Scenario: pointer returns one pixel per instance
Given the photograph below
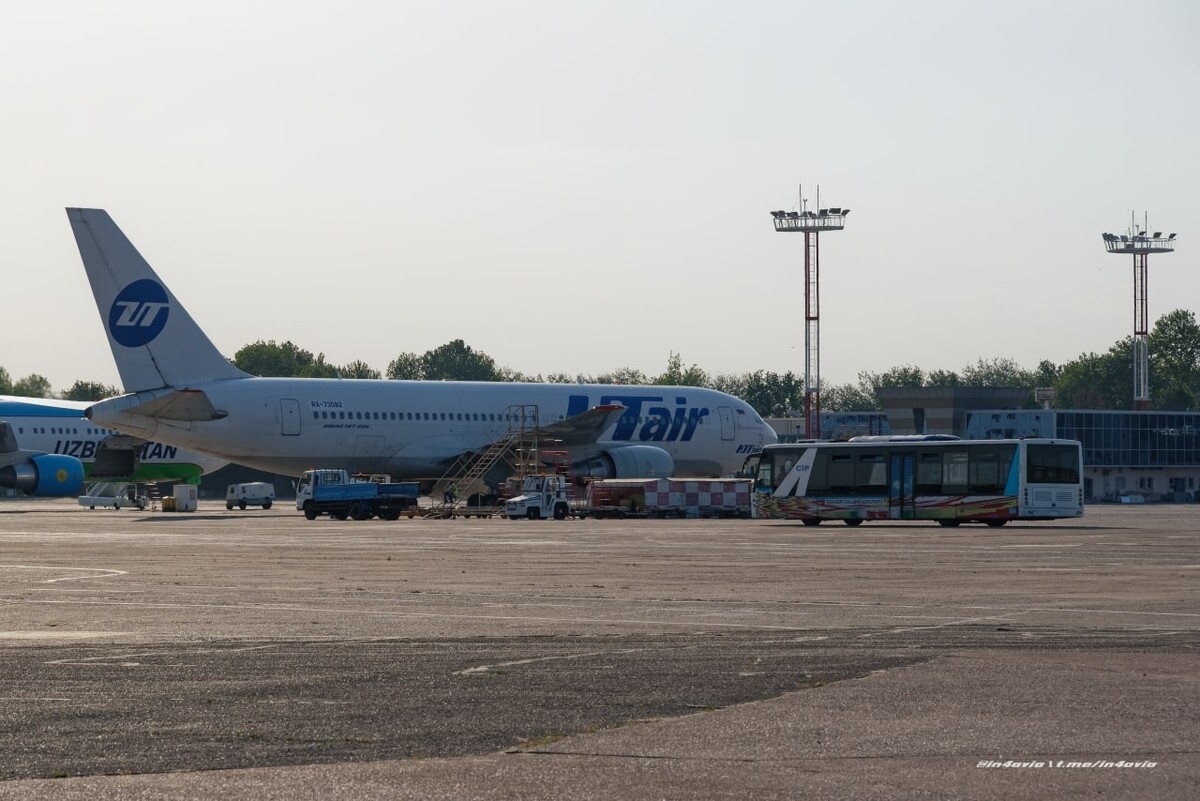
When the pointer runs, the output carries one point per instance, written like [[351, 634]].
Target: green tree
[[32, 386], [1097, 381], [1175, 361], [359, 369], [406, 367], [677, 376], [509, 374], [999, 372], [286, 360], [5, 382], [772, 394], [90, 391], [847, 398], [456, 361], [1046, 373], [943, 378], [623, 375]]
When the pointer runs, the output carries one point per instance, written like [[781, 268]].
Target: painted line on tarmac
[[100, 572], [532, 660]]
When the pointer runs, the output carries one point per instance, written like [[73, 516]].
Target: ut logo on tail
[[139, 313]]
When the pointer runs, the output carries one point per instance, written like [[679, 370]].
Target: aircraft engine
[[45, 475], [630, 461]]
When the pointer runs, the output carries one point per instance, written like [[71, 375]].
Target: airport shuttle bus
[[921, 477]]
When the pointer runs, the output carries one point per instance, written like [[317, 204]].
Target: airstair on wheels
[[517, 445]]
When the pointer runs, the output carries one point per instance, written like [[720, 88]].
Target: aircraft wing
[[585, 428]]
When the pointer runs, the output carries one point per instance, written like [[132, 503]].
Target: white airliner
[[183, 392], [48, 447]]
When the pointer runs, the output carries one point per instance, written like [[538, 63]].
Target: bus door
[[901, 499]]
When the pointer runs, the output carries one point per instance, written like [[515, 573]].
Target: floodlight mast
[[1141, 244], [811, 224]]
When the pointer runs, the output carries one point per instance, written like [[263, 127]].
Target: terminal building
[[1128, 456]]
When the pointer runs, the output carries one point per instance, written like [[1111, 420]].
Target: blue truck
[[359, 497]]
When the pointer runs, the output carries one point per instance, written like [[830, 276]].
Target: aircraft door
[[901, 499], [289, 416], [727, 423]]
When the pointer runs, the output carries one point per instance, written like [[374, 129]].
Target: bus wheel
[[853, 521], [995, 523], [948, 523], [811, 521]]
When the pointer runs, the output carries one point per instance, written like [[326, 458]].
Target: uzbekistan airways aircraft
[[48, 447], [183, 392]]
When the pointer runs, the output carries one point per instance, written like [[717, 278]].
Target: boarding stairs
[[466, 474]]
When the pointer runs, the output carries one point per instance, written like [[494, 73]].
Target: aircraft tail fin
[[154, 341]]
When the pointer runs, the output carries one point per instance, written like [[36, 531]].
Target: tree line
[[1090, 381]]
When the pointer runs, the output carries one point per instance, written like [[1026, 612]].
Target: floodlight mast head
[[1140, 245], [811, 224]]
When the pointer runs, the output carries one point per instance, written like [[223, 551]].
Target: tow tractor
[[542, 497]]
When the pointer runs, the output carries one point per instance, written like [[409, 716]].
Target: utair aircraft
[[183, 392], [48, 447]]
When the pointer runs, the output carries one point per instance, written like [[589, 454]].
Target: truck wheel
[[267, 504], [389, 514], [339, 515], [242, 505], [360, 511], [309, 512], [560, 512], [229, 505]]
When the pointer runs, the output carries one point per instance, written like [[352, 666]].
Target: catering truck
[[340, 495]]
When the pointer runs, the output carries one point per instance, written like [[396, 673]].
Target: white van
[[254, 493]]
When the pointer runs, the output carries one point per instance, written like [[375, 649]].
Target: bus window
[[954, 471], [841, 472], [983, 472], [870, 474], [929, 474]]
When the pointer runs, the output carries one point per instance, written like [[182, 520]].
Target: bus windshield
[[1052, 464]]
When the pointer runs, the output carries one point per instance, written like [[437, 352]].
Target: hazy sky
[[577, 187]]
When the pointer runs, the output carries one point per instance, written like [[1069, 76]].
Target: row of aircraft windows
[[486, 417], [469, 416], [67, 432]]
